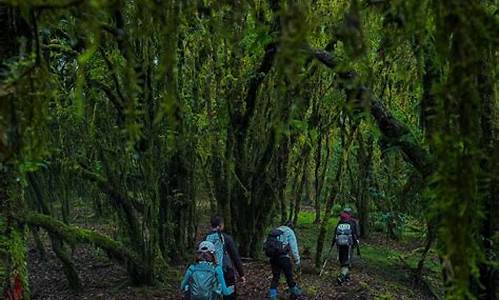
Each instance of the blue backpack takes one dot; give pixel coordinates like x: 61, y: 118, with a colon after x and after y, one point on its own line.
x: 203, y: 284
x: 217, y: 238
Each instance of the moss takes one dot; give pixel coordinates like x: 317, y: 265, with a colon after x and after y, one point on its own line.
x: 75, y: 235
x: 12, y: 235
x: 13, y: 256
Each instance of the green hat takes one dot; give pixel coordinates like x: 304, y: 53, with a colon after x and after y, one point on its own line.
x: 347, y: 210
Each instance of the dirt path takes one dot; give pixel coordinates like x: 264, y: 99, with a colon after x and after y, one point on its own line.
x: 104, y: 280
x: 365, y: 283
x: 313, y: 287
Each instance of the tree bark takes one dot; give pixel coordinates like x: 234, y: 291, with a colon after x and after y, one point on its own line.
x: 318, y: 181
x: 364, y: 164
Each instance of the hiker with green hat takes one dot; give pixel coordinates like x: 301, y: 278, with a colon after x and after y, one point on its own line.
x: 204, y: 280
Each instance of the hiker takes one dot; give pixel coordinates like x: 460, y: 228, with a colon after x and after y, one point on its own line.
x: 345, y: 238
x: 204, y: 280
x: 226, y: 254
x: 279, y: 243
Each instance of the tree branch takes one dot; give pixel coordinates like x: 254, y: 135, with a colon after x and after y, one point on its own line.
x: 396, y: 132
x: 75, y: 235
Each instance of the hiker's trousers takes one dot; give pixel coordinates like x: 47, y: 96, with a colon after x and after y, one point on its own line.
x: 344, y: 255
x: 278, y: 265
x: 230, y: 278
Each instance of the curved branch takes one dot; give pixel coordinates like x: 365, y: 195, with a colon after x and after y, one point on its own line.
x: 75, y: 235
x: 394, y: 130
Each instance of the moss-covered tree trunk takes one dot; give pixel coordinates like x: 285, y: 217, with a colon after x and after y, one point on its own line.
x: 57, y: 244
x: 363, y: 184
x: 13, y: 269
x: 252, y: 199
x: 467, y: 36
x: 75, y: 235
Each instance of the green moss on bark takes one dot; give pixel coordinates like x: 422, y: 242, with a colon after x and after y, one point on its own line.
x: 12, y: 239
x: 75, y: 235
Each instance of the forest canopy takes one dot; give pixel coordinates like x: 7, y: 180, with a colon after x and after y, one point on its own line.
x: 149, y: 116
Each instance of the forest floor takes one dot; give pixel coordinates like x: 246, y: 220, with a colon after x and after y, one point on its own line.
x: 380, y: 273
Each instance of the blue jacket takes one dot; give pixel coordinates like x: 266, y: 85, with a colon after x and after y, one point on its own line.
x: 288, y: 238
x: 220, y: 278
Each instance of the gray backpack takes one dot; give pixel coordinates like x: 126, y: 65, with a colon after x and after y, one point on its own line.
x: 343, y: 235
x: 203, y: 284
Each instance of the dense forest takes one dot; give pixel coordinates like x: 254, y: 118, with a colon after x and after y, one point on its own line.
x: 126, y: 124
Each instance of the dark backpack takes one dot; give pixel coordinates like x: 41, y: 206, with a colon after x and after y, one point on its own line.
x: 343, y: 235
x: 273, y: 247
x: 203, y: 283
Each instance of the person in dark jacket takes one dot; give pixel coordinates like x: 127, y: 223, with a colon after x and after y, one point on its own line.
x: 226, y: 253
x: 345, y: 238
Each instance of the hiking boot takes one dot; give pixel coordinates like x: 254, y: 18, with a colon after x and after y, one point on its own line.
x: 339, y: 280
x: 273, y: 294
x: 342, y: 278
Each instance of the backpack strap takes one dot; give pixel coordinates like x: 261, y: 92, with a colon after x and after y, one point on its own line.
x: 221, y: 237
x: 224, y: 251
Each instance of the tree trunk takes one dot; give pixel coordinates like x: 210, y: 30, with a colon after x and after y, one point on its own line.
x: 295, y: 187
x: 69, y: 268
x: 38, y: 242
x: 13, y: 271
x: 364, y: 179
x: 322, y: 230
x: 303, y: 192
x: 251, y: 197
x: 318, y: 181
x: 57, y: 245
x: 75, y: 235
x: 429, y: 240
x: 13, y: 274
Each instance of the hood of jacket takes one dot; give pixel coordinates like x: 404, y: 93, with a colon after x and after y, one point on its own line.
x: 344, y: 216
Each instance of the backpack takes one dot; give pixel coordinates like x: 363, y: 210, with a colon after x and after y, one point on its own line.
x: 203, y: 284
x: 273, y: 247
x: 343, y: 235
x: 217, y: 238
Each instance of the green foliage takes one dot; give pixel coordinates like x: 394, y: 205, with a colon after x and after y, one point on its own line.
x: 147, y: 111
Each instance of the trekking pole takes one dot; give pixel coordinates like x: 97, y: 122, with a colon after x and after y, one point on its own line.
x: 326, y: 261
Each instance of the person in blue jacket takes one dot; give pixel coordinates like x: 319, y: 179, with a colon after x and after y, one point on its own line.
x: 282, y: 262
x: 204, y: 280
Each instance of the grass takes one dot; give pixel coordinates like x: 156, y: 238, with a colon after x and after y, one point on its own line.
x: 382, y: 261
